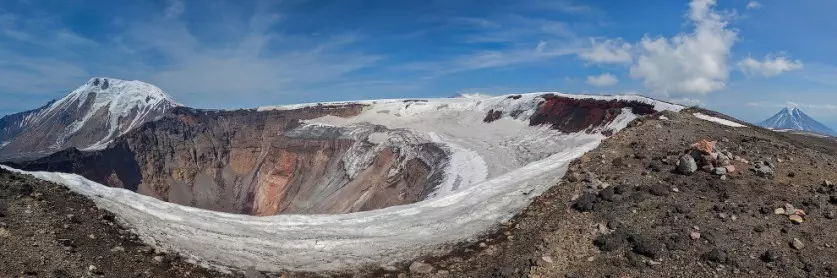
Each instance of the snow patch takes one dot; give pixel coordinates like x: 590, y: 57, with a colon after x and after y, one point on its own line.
x: 717, y: 120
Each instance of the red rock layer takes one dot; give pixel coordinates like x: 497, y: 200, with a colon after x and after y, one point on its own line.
x: 575, y: 115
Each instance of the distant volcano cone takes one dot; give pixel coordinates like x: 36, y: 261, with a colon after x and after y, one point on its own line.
x: 795, y: 119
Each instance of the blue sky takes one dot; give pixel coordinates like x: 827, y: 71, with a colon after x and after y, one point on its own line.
x: 741, y: 57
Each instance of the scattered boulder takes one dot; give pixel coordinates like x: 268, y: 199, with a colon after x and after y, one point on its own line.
x: 797, y: 244
x: 687, y: 165
x: 659, y: 190
x: 645, y: 246
x: 717, y: 255
x: 770, y: 256
x: 586, y: 202
x: 421, y: 268
x: 789, y: 209
x: 763, y: 169
x: 608, y: 242
x: 705, y: 146
x: 796, y: 219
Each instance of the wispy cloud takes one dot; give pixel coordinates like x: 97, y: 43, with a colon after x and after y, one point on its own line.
x: 607, y: 51
x: 254, y: 59
x: 517, y: 40
x: 754, y: 5
x: 772, y: 65
x: 603, y: 80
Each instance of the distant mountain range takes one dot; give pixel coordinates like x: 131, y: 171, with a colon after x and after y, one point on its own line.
x: 795, y: 119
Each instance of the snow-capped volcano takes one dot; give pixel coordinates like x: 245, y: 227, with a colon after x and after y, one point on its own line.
x: 795, y: 119
x: 89, y: 117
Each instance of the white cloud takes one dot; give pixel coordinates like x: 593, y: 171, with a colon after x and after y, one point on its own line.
x: 754, y: 5
x: 608, y: 51
x: 688, y: 63
x: 770, y: 66
x: 604, y: 80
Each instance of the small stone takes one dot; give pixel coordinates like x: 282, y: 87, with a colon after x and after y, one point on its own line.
x: 724, y: 177
x: 780, y: 211
x: 603, y: 185
x: 659, y: 190
x: 159, y: 259
x: 789, y: 209
x: 719, y: 171
x: 717, y: 255
x: 91, y: 236
x: 797, y: 244
x: 796, y: 219
x: 827, y: 183
x: 760, y: 229
x: 694, y: 235
x: 770, y: 256
x: 483, y: 245
x: 723, y: 215
x: 705, y: 146
x: 421, y: 268
x: 546, y: 259
x: 729, y: 168
x: 591, y: 258
x: 602, y: 228
x: 118, y: 249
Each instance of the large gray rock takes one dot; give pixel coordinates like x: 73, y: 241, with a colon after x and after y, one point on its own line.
x: 762, y: 169
x: 687, y: 165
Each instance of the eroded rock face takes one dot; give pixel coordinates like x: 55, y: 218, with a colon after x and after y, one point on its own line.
x: 574, y: 115
x: 260, y: 163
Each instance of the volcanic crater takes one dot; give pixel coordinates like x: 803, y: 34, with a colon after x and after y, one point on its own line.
x: 327, y: 158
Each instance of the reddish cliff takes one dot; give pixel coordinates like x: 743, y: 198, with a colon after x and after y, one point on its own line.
x: 574, y: 115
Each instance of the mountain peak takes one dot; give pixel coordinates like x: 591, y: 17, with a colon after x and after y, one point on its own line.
x: 792, y: 118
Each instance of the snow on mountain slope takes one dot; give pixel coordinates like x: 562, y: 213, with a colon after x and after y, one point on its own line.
x: 87, y: 118
x: 795, y: 119
x: 500, y: 160
x: 717, y: 120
